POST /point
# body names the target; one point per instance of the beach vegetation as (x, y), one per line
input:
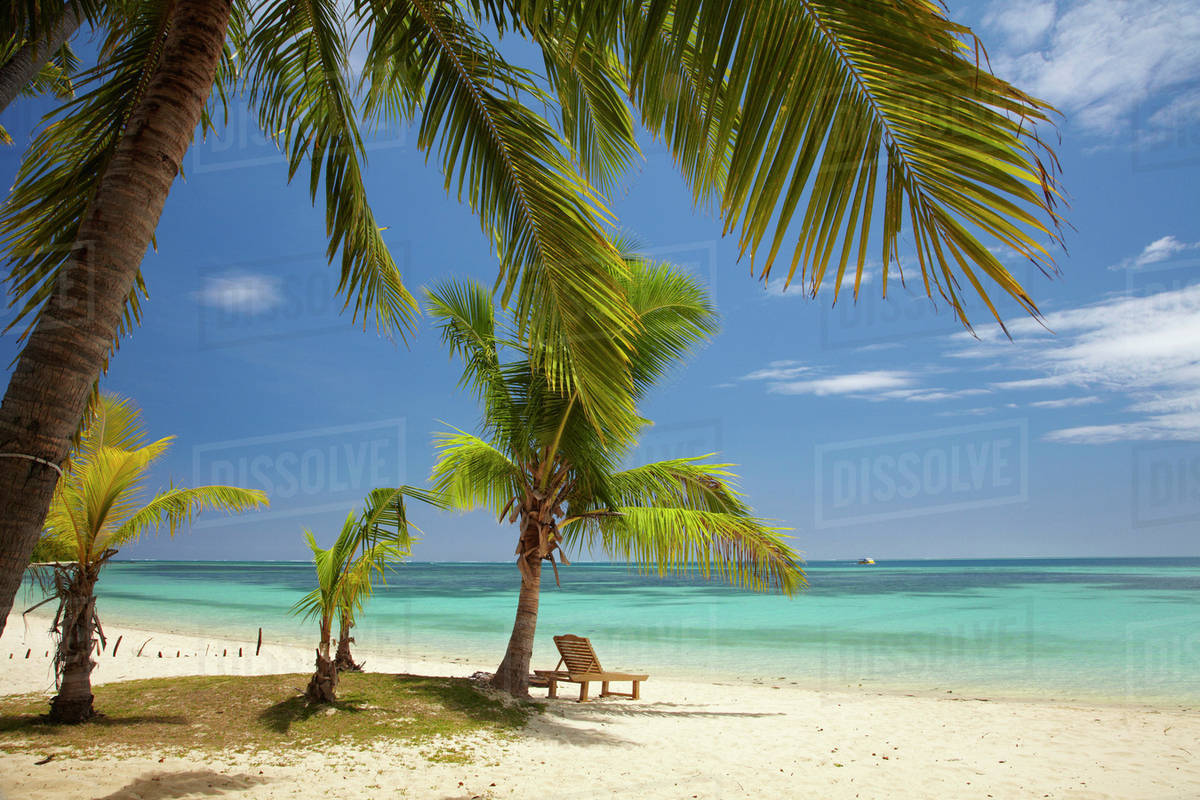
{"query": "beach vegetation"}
(810, 127)
(368, 544)
(238, 713)
(540, 463)
(99, 506)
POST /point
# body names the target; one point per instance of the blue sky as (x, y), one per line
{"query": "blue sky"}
(872, 428)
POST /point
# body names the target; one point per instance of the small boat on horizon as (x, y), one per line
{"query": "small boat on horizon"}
(866, 562)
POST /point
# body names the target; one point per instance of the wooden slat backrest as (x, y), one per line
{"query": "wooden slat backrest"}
(578, 654)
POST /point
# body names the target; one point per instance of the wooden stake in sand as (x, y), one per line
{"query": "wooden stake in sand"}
(259, 648)
(118, 644)
(143, 647)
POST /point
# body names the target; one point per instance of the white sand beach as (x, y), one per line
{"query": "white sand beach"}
(682, 740)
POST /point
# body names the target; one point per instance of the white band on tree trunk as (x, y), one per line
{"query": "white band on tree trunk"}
(49, 464)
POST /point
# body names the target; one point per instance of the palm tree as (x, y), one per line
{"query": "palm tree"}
(807, 122)
(97, 509)
(367, 545)
(541, 464)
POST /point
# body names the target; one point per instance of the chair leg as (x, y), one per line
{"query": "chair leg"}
(604, 688)
(583, 686)
(553, 688)
(637, 690)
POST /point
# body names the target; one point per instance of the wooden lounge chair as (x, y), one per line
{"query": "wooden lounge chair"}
(583, 667)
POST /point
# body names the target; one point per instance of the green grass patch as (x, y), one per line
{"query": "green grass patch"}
(264, 712)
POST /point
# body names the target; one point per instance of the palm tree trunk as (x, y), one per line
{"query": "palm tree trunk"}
(344, 660)
(322, 688)
(512, 675)
(73, 704)
(20, 69)
(66, 352)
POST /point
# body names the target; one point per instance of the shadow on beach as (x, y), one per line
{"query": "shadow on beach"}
(165, 785)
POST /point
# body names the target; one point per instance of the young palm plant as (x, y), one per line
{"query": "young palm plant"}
(368, 543)
(99, 507)
(812, 126)
(541, 464)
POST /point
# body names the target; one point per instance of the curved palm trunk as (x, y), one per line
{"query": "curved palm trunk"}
(65, 354)
(322, 688)
(512, 675)
(344, 660)
(20, 69)
(73, 703)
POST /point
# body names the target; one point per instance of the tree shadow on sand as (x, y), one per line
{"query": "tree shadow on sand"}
(281, 716)
(40, 723)
(193, 783)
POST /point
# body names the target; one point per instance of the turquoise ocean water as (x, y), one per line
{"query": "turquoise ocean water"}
(1115, 629)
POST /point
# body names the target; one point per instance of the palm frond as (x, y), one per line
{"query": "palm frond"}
(62, 168)
(675, 315)
(297, 55)
(470, 473)
(740, 550)
(175, 508)
(844, 113)
(545, 218)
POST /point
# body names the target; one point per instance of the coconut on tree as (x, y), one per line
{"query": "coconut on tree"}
(811, 126)
(540, 463)
(367, 545)
(99, 506)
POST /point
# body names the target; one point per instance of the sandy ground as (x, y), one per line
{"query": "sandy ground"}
(682, 740)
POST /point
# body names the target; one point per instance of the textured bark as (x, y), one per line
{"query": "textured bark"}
(77, 615)
(512, 675)
(344, 660)
(20, 69)
(322, 688)
(65, 353)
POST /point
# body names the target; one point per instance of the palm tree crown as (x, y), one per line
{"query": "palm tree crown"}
(542, 463)
(99, 506)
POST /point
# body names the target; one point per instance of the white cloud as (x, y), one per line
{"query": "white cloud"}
(1066, 402)
(1146, 349)
(1099, 61)
(242, 293)
(1023, 22)
(854, 383)
(777, 371)
(776, 288)
(1157, 251)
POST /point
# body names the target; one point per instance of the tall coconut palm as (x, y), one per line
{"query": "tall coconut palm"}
(368, 543)
(542, 465)
(812, 123)
(99, 507)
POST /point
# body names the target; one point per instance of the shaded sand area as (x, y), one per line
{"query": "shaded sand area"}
(683, 740)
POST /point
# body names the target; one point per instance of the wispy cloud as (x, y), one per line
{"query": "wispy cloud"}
(1099, 61)
(1066, 402)
(853, 383)
(778, 371)
(1156, 252)
(775, 288)
(1145, 349)
(242, 293)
